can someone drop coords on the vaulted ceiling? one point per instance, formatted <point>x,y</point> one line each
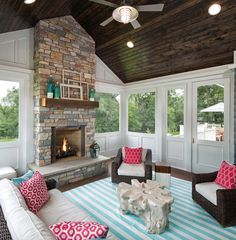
<point>181,38</point>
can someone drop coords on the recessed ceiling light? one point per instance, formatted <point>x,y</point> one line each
<point>214,9</point>
<point>130,44</point>
<point>29,1</point>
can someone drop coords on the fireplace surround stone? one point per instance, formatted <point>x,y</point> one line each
<point>61,44</point>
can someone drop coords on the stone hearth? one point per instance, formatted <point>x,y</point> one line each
<point>61,44</point>
<point>65,172</point>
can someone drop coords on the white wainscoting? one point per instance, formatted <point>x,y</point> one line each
<point>16,48</point>
<point>143,140</point>
<point>109,142</point>
<point>175,152</point>
<point>10,155</point>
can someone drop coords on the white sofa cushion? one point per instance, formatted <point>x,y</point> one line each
<point>59,209</point>
<point>25,225</point>
<point>126,169</point>
<point>144,153</point>
<point>208,190</point>
<point>10,197</point>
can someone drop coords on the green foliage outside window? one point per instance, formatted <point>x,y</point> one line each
<point>208,96</point>
<point>175,113</point>
<point>141,112</point>
<point>107,115</point>
<point>9,110</point>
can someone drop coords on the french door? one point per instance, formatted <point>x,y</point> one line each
<point>174,126</point>
<point>210,124</point>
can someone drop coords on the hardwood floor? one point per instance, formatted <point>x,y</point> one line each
<point>174,173</point>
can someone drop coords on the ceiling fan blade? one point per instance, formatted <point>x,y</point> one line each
<point>150,8</point>
<point>103,2</point>
<point>135,24</point>
<point>104,23</point>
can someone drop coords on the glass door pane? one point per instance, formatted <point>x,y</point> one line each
<point>175,112</point>
<point>210,112</point>
<point>9,111</point>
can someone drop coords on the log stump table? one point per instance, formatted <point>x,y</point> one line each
<point>150,201</point>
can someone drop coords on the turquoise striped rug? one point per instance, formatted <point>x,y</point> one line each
<point>187,219</point>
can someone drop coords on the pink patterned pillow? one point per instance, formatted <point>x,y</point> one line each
<point>35,192</point>
<point>78,230</point>
<point>226,176</point>
<point>133,155</point>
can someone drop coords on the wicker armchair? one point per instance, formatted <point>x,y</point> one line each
<point>122,178</point>
<point>224,211</point>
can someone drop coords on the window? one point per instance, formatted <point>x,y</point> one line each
<point>9,111</point>
<point>175,113</point>
<point>107,115</point>
<point>141,112</point>
<point>210,112</point>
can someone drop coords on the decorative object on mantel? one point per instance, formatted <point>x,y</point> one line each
<point>75,89</point>
<point>91,94</point>
<point>94,149</point>
<point>50,87</point>
<point>57,94</point>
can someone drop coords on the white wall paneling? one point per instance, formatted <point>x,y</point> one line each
<point>175,152</point>
<point>109,142</point>
<point>16,48</point>
<point>104,73</point>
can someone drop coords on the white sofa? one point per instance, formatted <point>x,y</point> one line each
<point>25,225</point>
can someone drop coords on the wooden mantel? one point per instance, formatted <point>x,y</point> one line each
<point>68,103</point>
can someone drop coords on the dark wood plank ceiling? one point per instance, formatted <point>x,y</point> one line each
<point>181,38</point>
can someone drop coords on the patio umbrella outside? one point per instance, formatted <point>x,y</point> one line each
<point>219,107</point>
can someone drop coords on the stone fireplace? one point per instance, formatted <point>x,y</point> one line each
<point>67,143</point>
<point>62,44</point>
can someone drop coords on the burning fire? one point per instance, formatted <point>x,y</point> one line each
<point>65,144</point>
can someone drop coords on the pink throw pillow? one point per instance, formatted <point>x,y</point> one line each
<point>226,176</point>
<point>78,230</point>
<point>35,192</point>
<point>133,155</point>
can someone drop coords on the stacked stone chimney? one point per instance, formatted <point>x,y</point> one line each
<point>60,44</point>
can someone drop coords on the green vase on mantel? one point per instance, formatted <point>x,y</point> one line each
<point>57,94</point>
<point>91,94</point>
<point>50,87</point>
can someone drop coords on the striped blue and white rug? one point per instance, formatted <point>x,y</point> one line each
<point>187,219</point>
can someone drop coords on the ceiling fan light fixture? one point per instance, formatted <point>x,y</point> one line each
<point>125,14</point>
<point>29,1</point>
<point>214,9</point>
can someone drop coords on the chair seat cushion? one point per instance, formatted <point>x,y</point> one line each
<point>137,170</point>
<point>208,190</point>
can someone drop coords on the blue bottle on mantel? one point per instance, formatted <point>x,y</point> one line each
<point>50,87</point>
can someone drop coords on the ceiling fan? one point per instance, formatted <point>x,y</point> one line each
<point>125,13</point>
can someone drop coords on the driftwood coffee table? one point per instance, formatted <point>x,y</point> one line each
<point>151,201</point>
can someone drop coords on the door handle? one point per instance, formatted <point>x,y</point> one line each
<point>193,140</point>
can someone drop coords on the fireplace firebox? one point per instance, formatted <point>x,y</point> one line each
<point>68,142</point>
